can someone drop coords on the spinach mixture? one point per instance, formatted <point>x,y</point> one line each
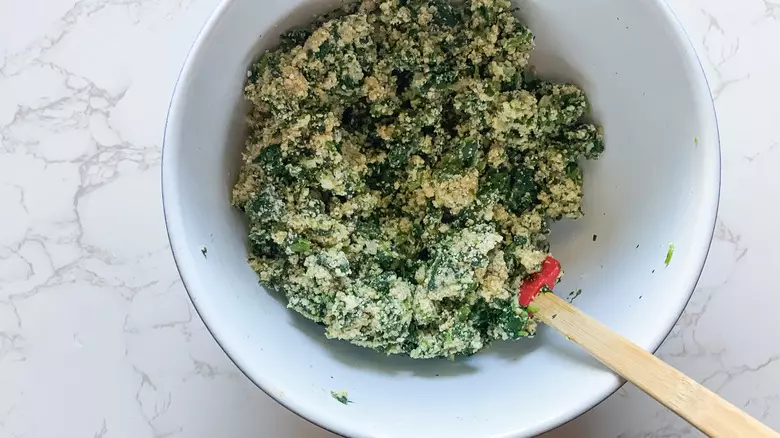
<point>401,168</point>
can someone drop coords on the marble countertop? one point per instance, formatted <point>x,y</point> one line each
<point>97,335</point>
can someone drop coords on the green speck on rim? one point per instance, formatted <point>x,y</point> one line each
<point>340,396</point>
<point>669,254</point>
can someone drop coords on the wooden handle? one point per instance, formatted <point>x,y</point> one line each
<point>698,405</point>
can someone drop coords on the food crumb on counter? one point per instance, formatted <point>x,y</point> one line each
<point>204,250</point>
<point>669,254</point>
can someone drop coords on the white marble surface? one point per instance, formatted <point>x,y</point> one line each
<point>97,336</point>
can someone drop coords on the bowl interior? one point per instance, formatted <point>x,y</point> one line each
<point>656,184</point>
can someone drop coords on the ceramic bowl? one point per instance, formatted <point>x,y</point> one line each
<point>656,184</point>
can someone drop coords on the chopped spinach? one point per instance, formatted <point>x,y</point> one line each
<point>402,166</point>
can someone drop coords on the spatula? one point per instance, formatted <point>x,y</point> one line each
<point>698,405</point>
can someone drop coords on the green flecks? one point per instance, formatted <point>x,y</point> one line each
<point>494,185</point>
<point>294,37</point>
<point>696,141</point>
<point>669,254</point>
<point>522,41</point>
<point>271,160</point>
<point>341,397</point>
<point>523,191</point>
<point>324,49</point>
<point>204,251</point>
<point>301,246</point>
<point>445,14</point>
<point>574,294</point>
<point>573,171</point>
<point>461,157</point>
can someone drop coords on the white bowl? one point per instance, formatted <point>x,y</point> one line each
<point>657,183</point>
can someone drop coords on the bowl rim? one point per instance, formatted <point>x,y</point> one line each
<point>335,426</point>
